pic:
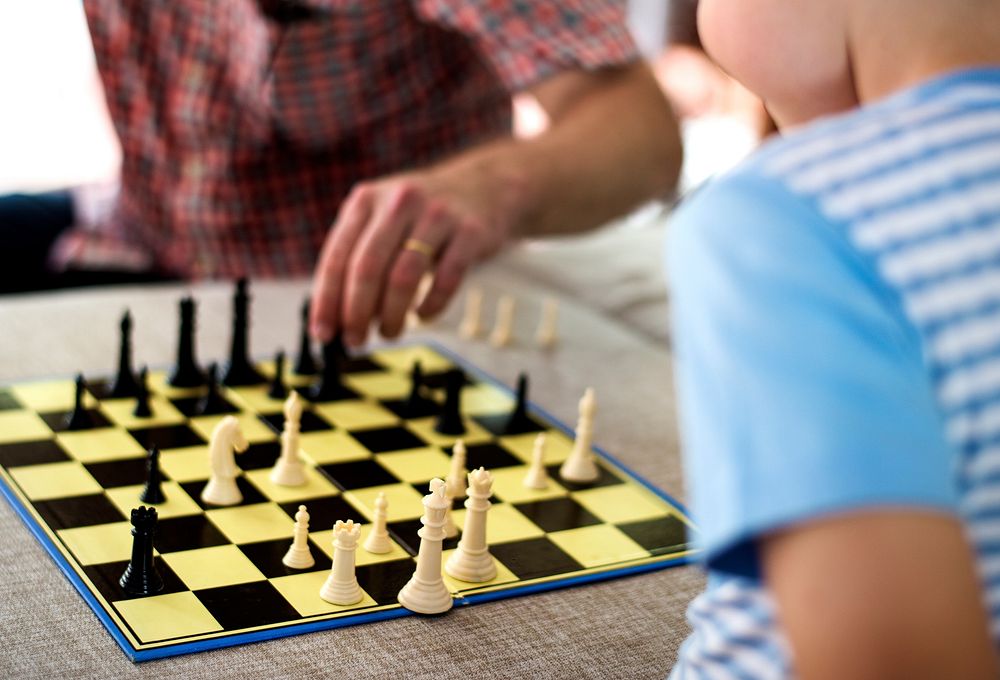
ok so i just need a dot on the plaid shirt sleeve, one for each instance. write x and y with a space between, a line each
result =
526 41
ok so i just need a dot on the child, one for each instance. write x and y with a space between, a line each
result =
837 325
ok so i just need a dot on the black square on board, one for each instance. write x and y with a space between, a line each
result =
605 478
250 493
8 402
489 456
439 380
339 394
496 424
358 474
105 579
383 580
384 439
114 473
424 408
324 512
557 514
360 365
535 558
405 534
167 437
31 453
311 422
79 511
267 556
660 536
260 455
186 533
58 420
246 605
189 406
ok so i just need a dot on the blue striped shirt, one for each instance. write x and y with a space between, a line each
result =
837 331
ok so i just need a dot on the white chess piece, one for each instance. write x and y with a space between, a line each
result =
472 325
503 329
472 561
341 586
299 556
548 332
455 485
425 592
378 540
289 470
537 477
580 467
227 439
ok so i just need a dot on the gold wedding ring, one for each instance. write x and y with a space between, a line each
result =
420 247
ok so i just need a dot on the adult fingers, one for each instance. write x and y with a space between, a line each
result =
327 287
460 254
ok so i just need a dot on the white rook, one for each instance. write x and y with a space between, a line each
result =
341 585
472 560
425 592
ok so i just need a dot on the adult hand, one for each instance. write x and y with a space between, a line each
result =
391 232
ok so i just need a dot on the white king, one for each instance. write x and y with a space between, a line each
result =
341 585
425 592
472 560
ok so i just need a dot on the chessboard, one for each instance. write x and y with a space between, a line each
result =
224 580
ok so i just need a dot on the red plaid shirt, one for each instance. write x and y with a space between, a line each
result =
244 123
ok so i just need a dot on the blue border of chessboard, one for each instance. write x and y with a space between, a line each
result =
357 619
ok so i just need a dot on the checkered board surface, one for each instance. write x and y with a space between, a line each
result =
224 580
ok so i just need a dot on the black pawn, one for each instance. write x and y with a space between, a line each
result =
141 577
79 419
212 402
519 421
278 389
329 386
142 409
416 400
186 373
240 371
450 420
304 363
153 491
125 385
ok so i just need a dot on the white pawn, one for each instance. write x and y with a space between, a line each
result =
502 334
227 439
548 333
425 592
378 540
341 587
537 477
472 561
455 485
472 325
288 470
299 555
580 467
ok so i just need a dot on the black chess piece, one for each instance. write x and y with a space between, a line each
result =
417 405
186 373
304 363
329 386
278 389
140 576
142 409
125 385
212 402
152 493
519 421
450 420
240 370
79 419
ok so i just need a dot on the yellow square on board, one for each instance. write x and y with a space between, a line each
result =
177 503
402 358
251 523
331 446
189 464
504 575
379 384
54 480
316 486
504 523
100 543
357 414
165 617
416 465
424 428
598 545
404 502
158 385
557 446
221 565
119 411
508 486
256 399
51 395
98 446
250 425
302 592
323 540
622 503
485 398
22 426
